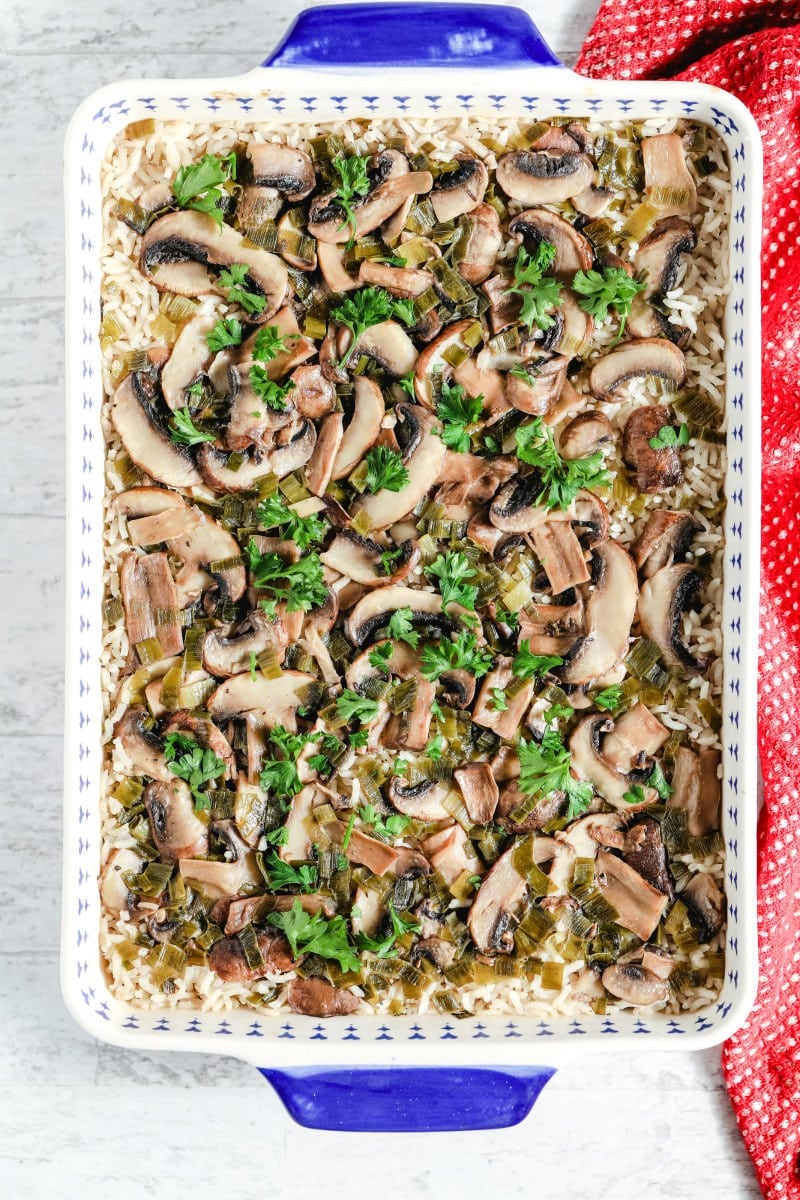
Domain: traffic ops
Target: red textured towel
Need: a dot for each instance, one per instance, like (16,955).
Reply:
(752,48)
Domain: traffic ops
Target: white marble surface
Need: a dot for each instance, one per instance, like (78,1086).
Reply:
(82,1119)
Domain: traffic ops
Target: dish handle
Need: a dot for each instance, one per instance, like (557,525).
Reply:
(436,35)
(408,1099)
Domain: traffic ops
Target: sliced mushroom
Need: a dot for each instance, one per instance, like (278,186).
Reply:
(560,553)
(423,457)
(457,192)
(145,437)
(610,610)
(573,251)
(319,467)
(544,177)
(298,845)
(663,600)
(637,735)
(543,387)
(313,395)
(637,359)
(480,245)
(593,201)
(489,384)
(226,958)
(706,817)
(359,558)
(285,168)
(293,446)
(515,508)
(479,789)
(184,251)
(511,798)
(433,359)
(177,833)
(150,600)
(315,997)
(668,183)
(666,538)
(551,628)
(404,282)
(142,749)
(504,724)
(486,535)
(658,260)
(435,950)
(639,906)
(225,653)
(206,734)
(585,435)
(374,612)
(706,905)
(422,801)
(644,851)
(218,879)
(409,731)
(203,547)
(331,264)
(505,306)
(387,344)
(363,429)
(496,906)
(360,848)
(634,984)
(277,700)
(451,853)
(189,358)
(589,762)
(654,470)
(327,220)
(459,688)
(114,890)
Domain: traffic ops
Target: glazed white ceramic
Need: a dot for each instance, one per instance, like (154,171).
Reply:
(488,62)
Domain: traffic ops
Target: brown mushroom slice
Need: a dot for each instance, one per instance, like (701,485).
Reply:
(573,251)
(593,201)
(551,628)
(639,906)
(423,457)
(706,905)
(285,168)
(404,282)
(663,600)
(146,439)
(585,434)
(225,653)
(489,384)
(277,700)
(572,333)
(560,553)
(546,809)
(610,610)
(515,508)
(480,245)
(644,850)
(205,545)
(373,612)
(432,359)
(359,558)
(146,501)
(312,395)
(658,260)
(450,852)
(327,221)
(589,762)
(363,429)
(479,789)
(315,997)
(206,734)
(687,793)
(708,810)
(665,539)
(637,735)
(460,191)
(176,831)
(505,306)
(491,539)
(634,984)
(292,448)
(544,177)
(545,380)
(298,846)
(668,183)
(636,360)
(218,879)
(142,749)
(409,731)
(654,469)
(361,849)
(435,950)
(387,344)
(189,358)
(184,251)
(331,264)
(150,600)
(319,467)
(226,958)
(113,889)
(495,909)
(504,724)
(163,525)
(422,801)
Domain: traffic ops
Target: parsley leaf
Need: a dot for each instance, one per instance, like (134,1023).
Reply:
(379,655)
(667,436)
(303,531)
(280,775)
(393,826)
(183,430)
(404,311)
(283,875)
(406,384)
(198,186)
(385,470)
(194,764)
(435,748)
(507,616)
(658,781)
(462,652)
(498,700)
(361,310)
(353,182)
(306,584)
(452,569)
(277,837)
(635,796)
(545,768)
(538,293)
(226,332)
(316,935)
(562,478)
(269,343)
(350,706)
(273,394)
(526,665)
(457,411)
(385,948)
(233,278)
(610,698)
(610,288)
(389,558)
(400,626)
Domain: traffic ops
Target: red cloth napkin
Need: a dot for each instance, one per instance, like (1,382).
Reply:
(752,48)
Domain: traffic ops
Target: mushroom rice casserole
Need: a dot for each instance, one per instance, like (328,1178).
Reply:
(414,565)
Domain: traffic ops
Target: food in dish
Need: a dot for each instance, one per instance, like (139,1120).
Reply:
(413,664)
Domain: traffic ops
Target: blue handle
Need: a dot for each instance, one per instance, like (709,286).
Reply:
(344,36)
(408,1099)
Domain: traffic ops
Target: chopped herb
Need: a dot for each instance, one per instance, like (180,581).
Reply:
(350,706)
(389,558)
(280,775)
(233,278)
(385,470)
(610,698)
(658,781)
(379,655)
(527,665)
(600,291)
(195,764)
(353,182)
(283,875)
(545,768)
(303,531)
(393,826)
(492,444)
(562,479)
(498,700)
(457,411)
(183,431)
(385,948)
(525,372)
(273,394)
(507,616)
(635,796)
(667,436)
(448,656)
(277,837)
(404,311)
(406,384)
(316,935)
(300,585)
(558,712)
(359,738)
(539,293)
(435,748)
(226,332)
(361,310)
(199,186)
(452,569)
(400,766)
(401,628)
(270,342)
(436,711)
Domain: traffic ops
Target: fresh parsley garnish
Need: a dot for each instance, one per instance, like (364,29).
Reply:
(393,826)
(527,665)
(280,775)
(562,478)
(404,311)
(600,291)
(385,470)
(545,768)
(435,748)
(668,436)
(379,656)
(353,183)
(558,712)
(401,627)
(448,656)
(452,569)
(498,700)
(316,935)
(194,764)
(277,837)
(348,833)
(457,412)
(385,948)
(199,186)
(270,342)
(658,781)
(636,795)
(539,293)
(406,384)
(233,278)
(610,698)
(361,310)
(183,430)
(300,585)
(273,394)
(303,531)
(526,372)
(507,616)
(350,706)
(226,332)
(389,559)
(283,875)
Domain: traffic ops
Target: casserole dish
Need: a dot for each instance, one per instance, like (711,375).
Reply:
(478,1071)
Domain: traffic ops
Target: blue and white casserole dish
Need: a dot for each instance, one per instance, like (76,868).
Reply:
(482,63)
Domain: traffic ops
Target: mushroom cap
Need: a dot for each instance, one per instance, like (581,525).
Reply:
(423,457)
(363,429)
(610,610)
(573,251)
(634,984)
(663,600)
(493,913)
(229,653)
(277,700)
(457,192)
(665,539)
(655,470)
(177,833)
(481,245)
(285,168)
(145,436)
(315,997)
(636,359)
(544,177)
(422,801)
(374,611)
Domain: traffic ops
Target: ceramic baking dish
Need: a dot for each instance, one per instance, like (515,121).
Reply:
(371,1073)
